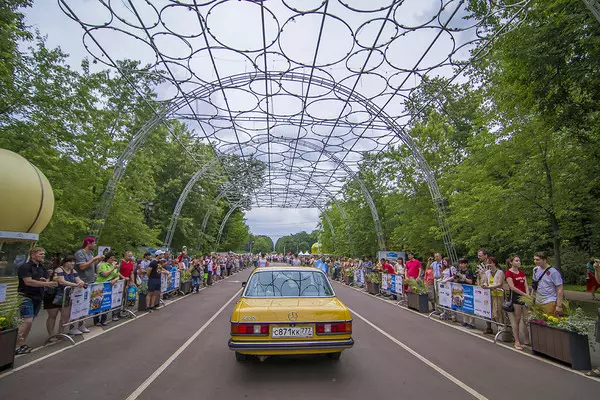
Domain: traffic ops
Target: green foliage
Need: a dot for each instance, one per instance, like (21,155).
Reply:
(74,125)
(295,243)
(416,285)
(10,316)
(261,244)
(514,150)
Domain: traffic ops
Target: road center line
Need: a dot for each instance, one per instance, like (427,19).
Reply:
(137,392)
(424,360)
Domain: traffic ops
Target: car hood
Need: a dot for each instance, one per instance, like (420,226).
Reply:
(308,309)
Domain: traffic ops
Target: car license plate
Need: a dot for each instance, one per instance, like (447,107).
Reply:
(292,332)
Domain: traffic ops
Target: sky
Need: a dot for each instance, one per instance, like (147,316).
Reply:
(400,49)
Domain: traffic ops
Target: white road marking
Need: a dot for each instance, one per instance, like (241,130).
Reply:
(424,360)
(137,392)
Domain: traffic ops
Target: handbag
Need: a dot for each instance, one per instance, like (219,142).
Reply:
(58,298)
(508,305)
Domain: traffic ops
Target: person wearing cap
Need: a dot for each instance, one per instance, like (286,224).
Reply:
(85,265)
(183,257)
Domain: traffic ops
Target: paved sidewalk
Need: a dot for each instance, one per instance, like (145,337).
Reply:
(582,296)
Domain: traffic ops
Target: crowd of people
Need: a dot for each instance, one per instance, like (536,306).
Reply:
(505,282)
(43,284)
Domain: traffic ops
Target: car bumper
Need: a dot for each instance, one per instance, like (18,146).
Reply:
(291,347)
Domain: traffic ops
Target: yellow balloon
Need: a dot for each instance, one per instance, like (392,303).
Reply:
(27,200)
(316,248)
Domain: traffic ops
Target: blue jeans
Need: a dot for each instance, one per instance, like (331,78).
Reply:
(195,282)
(30,308)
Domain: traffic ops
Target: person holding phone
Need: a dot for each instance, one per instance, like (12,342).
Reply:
(85,265)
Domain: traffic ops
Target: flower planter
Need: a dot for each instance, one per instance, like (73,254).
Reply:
(568,347)
(8,342)
(185,286)
(373,288)
(419,302)
(142,302)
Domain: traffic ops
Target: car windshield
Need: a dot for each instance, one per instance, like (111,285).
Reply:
(288,284)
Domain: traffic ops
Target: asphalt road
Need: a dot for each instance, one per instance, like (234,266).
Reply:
(181,352)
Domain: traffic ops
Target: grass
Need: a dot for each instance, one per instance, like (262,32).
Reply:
(575,288)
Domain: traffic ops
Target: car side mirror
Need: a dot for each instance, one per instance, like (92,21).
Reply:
(244,284)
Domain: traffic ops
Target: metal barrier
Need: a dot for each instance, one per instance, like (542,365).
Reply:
(470,301)
(95,300)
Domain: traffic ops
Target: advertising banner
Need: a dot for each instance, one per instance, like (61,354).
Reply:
(3,292)
(117,294)
(80,303)
(164,283)
(462,298)
(386,281)
(391,256)
(177,279)
(397,284)
(355,275)
(482,302)
(96,294)
(445,294)
(106,297)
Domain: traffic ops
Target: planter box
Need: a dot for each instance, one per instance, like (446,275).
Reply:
(185,286)
(419,302)
(8,342)
(562,345)
(373,288)
(348,280)
(142,306)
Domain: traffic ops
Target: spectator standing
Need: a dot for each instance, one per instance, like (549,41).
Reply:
(48,302)
(413,267)
(67,277)
(143,268)
(85,265)
(153,273)
(32,282)
(183,257)
(593,271)
(494,282)
(465,276)
(430,284)
(197,272)
(399,267)
(436,265)
(547,285)
(108,271)
(517,282)
(448,272)
(387,267)
(482,267)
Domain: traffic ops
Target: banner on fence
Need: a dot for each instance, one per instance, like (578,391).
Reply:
(466,298)
(3,288)
(445,294)
(164,283)
(392,283)
(96,299)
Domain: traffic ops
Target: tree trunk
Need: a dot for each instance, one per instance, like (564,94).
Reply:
(556,241)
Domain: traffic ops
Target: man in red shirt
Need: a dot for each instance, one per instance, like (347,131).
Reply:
(387,267)
(413,267)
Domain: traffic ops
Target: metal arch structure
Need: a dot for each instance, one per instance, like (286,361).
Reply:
(222,194)
(240,203)
(210,166)
(242,71)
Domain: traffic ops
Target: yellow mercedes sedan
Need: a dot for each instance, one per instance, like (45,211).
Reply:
(289,311)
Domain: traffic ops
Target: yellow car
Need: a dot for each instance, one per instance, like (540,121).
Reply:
(289,310)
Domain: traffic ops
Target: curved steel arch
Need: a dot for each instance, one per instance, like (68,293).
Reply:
(245,78)
(210,166)
(241,202)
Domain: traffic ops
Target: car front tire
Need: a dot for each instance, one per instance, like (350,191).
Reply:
(239,357)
